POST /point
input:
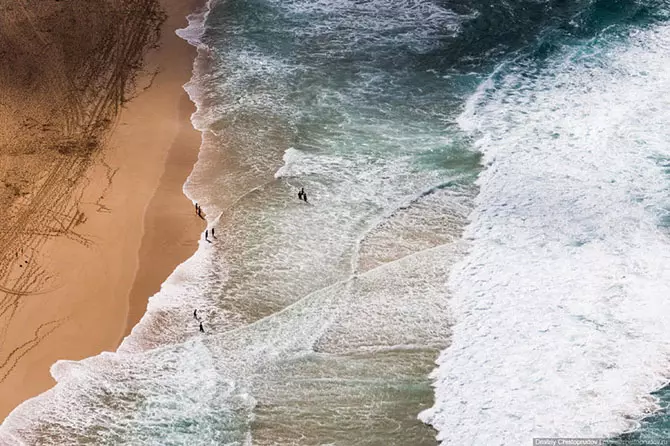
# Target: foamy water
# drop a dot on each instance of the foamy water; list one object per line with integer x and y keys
{"x": 562, "y": 303}
{"x": 322, "y": 319}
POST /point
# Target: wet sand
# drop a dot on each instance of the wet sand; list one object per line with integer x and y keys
{"x": 87, "y": 238}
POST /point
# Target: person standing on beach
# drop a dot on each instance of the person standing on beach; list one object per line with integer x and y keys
{"x": 304, "y": 195}
{"x": 206, "y": 234}
{"x": 202, "y": 329}
{"x": 195, "y": 314}
{"x": 197, "y": 209}
{"x": 300, "y": 192}
{"x": 213, "y": 236}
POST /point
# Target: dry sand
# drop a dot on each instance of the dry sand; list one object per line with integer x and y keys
{"x": 91, "y": 192}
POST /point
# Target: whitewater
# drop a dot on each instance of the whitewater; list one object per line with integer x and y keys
{"x": 561, "y": 305}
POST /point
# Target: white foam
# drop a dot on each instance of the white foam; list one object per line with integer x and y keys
{"x": 175, "y": 395}
{"x": 196, "y": 25}
{"x": 193, "y": 34}
{"x": 291, "y": 158}
{"x": 369, "y": 24}
{"x": 563, "y": 317}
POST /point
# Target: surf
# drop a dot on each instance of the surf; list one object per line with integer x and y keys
{"x": 561, "y": 303}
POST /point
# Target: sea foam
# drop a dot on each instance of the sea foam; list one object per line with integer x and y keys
{"x": 561, "y": 306}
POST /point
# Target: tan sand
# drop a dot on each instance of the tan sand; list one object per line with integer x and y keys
{"x": 130, "y": 227}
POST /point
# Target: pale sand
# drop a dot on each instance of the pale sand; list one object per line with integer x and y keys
{"x": 138, "y": 224}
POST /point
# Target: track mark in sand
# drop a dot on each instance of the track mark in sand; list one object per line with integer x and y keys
{"x": 19, "y": 352}
{"x": 90, "y": 95}
{"x": 23, "y": 292}
{"x": 109, "y": 174}
{"x": 31, "y": 19}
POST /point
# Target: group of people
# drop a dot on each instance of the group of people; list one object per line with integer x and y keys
{"x": 198, "y": 210}
{"x": 302, "y": 195}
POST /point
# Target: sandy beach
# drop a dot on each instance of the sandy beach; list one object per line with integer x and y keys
{"x": 94, "y": 214}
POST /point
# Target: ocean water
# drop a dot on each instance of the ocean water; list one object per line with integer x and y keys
{"x": 487, "y": 189}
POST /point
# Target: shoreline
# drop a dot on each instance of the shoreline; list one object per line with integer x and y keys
{"x": 166, "y": 246}
{"x": 138, "y": 225}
